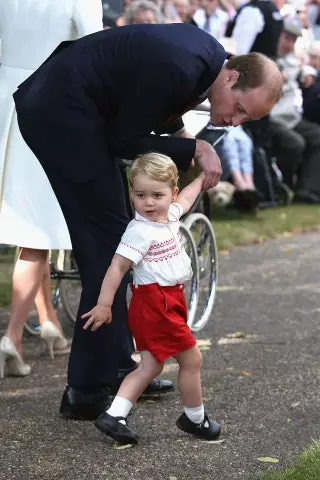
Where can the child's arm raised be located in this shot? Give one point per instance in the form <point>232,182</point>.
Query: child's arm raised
<point>188,194</point>
<point>101,313</point>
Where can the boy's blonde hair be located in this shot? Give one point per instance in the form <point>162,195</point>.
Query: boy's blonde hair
<point>155,166</point>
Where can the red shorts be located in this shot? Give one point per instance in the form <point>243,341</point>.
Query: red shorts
<point>157,319</point>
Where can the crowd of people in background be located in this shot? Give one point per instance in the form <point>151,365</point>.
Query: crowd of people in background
<point>286,31</point>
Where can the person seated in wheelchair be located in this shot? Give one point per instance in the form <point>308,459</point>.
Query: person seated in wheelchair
<point>157,314</point>
<point>237,157</point>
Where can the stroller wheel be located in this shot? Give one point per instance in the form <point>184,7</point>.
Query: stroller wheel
<point>283,194</point>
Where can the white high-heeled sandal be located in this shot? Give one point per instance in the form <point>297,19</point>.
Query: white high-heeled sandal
<point>10,358</point>
<point>54,338</point>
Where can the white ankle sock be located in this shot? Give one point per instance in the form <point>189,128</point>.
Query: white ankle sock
<point>196,414</point>
<point>120,407</point>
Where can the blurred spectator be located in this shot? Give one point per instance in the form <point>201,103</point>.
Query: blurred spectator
<point>170,13</point>
<point>237,161</point>
<point>211,18</point>
<point>314,55</point>
<point>194,5</point>
<point>296,141</point>
<point>143,11</point>
<point>186,10</point>
<point>311,90</point>
<point>256,28</point>
<point>314,17</point>
<point>237,149</point>
<point>298,13</point>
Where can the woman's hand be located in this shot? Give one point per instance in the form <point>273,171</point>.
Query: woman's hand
<point>99,315</point>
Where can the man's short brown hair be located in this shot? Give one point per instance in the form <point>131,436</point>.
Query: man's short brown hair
<point>253,73</point>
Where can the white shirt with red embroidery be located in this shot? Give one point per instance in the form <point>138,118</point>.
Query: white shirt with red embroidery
<point>156,250</point>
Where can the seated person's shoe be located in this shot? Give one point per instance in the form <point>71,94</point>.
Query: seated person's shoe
<point>113,427</point>
<point>206,430</point>
<point>305,196</point>
<point>246,200</point>
<point>157,386</point>
<point>77,405</point>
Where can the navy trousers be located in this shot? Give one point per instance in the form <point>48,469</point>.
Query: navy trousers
<point>96,214</point>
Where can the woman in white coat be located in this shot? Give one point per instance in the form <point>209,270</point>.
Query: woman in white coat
<point>30,216</point>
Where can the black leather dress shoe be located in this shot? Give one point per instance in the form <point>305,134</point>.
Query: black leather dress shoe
<point>113,427</point>
<point>76,405</point>
<point>206,430</point>
<point>157,386</point>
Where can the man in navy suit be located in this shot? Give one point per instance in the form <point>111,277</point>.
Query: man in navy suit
<point>97,99</point>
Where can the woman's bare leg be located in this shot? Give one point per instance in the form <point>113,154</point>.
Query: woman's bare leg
<point>43,300</point>
<point>27,276</point>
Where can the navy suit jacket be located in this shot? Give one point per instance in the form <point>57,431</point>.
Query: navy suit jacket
<point>114,88</point>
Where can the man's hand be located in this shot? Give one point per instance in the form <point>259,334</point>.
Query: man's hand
<point>209,163</point>
<point>99,315</point>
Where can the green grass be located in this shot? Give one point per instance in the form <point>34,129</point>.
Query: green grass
<point>233,228</point>
<point>306,468</point>
<point>6,269</point>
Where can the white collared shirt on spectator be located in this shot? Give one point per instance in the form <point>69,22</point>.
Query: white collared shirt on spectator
<point>216,24</point>
<point>249,24</point>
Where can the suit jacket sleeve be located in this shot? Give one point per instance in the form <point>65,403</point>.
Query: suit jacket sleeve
<point>150,99</point>
<point>171,127</point>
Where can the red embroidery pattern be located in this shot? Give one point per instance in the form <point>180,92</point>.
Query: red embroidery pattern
<point>155,259</point>
<point>160,252</point>
<point>133,248</point>
<point>160,255</point>
<point>162,244</point>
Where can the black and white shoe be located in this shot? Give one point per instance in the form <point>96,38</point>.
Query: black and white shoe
<point>115,428</point>
<point>206,430</point>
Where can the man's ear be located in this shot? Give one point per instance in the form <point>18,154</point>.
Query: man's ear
<point>175,192</point>
<point>231,77</point>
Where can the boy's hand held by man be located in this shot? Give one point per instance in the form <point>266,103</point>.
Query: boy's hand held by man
<point>99,315</point>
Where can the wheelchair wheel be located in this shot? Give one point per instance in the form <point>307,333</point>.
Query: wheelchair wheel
<point>191,287</point>
<point>283,194</point>
<point>204,238</point>
<point>70,287</point>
